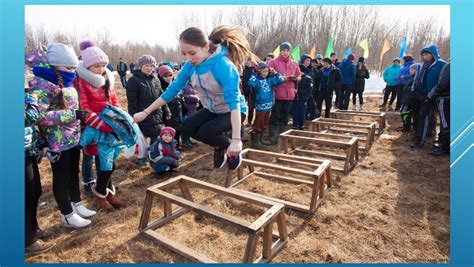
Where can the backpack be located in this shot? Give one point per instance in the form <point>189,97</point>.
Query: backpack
<point>121,123</point>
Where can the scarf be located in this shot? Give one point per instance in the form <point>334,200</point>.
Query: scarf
<point>49,75</point>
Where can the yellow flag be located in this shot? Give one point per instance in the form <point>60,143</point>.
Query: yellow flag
<point>385,48</point>
<point>365,45</point>
<point>276,52</point>
<point>312,54</point>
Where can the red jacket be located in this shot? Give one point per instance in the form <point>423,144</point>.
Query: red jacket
<point>286,67</point>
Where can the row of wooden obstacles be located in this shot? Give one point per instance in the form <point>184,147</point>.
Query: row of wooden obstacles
<point>338,133</point>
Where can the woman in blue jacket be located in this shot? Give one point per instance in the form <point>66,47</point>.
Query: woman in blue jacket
<point>213,66</point>
<point>390,76</point>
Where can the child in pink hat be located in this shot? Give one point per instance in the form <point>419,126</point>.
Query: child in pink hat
<point>164,152</point>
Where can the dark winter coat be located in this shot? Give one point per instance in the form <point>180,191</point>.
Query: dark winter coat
<point>142,90</point>
<point>405,97</point>
<point>332,81</point>
<point>348,72</point>
<point>404,74</point>
<point>246,74</point>
<point>425,81</point>
<point>177,109</point>
<point>362,73</point>
<point>443,88</point>
<point>305,87</point>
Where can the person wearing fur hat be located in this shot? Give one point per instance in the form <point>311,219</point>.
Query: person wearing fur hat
<point>144,88</point>
<point>58,122</point>
<point>285,92</point>
<point>262,83</point>
<point>362,73</point>
<point>95,82</point>
<point>348,71</point>
<point>164,152</point>
<point>176,106</point>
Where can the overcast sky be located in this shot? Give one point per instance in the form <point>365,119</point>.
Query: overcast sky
<point>158,24</point>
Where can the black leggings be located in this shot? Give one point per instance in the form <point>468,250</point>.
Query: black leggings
<point>32,195</point>
<point>209,128</point>
<point>66,180</point>
<point>104,180</point>
<point>390,89</point>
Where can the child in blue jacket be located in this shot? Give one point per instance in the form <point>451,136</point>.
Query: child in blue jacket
<point>164,152</point>
<point>262,84</point>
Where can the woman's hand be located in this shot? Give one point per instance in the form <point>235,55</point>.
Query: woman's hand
<point>140,116</point>
<point>234,148</point>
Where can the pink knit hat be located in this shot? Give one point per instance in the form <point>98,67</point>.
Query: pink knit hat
<point>91,54</point>
<point>168,130</point>
<point>163,69</point>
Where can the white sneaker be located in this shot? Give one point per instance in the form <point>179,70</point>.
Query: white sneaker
<point>354,108</point>
<point>361,108</point>
<point>81,210</point>
<point>74,221</point>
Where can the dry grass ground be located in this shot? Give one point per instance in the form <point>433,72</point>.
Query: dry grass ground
<point>393,207</point>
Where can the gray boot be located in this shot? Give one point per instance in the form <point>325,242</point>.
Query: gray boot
<point>255,140</point>
<point>273,134</point>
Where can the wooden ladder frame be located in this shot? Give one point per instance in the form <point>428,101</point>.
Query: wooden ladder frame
<point>349,145</point>
<point>354,128</point>
<point>262,226</point>
<point>319,179</point>
<point>379,117</point>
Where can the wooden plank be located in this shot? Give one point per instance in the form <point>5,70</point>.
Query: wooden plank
<point>286,179</point>
<point>282,229</point>
<point>328,154</point>
<point>267,217</point>
<point>178,248</point>
<point>319,141</point>
<point>288,204</point>
<point>359,113</point>
<point>352,131</point>
<point>237,222</point>
<point>250,248</point>
<point>322,168</point>
<point>163,220</point>
<point>145,217</point>
<point>241,180</point>
<point>317,134</point>
<point>166,203</point>
<point>230,192</point>
<point>277,246</point>
<point>342,124</point>
<point>267,241</point>
<point>168,183</point>
<point>344,121</point>
<point>314,195</point>
<point>276,167</point>
<point>185,190</point>
<point>286,156</point>
<point>307,164</point>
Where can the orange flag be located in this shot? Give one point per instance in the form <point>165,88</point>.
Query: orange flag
<point>385,48</point>
<point>312,54</point>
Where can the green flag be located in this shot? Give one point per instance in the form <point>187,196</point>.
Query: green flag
<point>295,53</point>
<point>276,52</point>
<point>329,50</point>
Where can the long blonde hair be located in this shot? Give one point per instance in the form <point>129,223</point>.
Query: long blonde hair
<point>231,37</point>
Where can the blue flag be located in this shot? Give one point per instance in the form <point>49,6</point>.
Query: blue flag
<point>403,48</point>
<point>347,52</point>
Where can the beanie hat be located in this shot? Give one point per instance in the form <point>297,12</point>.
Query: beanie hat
<point>91,54</point>
<point>351,57</point>
<point>414,66</point>
<point>167,130</point>
<point>396,59</point>
<point>146,59</point>
<point>327,60</point>
<point>285,45</point>
<point>61,55</point>
<point>361,59</point>
<point>319,56</point>
<point>262,65</point>
<point>163,69</point>
<point>304,57</point>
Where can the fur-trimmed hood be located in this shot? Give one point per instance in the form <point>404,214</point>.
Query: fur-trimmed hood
<point>95,80</point>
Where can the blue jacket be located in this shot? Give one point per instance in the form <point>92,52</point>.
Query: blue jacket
<point>216,81</point>
<point>107,145</point>
<point>404,74</point>
<point>390,75</point>
<point>432,74</point>
<point>263,90</point>
<point>348,71</point>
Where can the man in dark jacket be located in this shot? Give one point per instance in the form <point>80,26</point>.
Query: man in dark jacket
<point>330,82</point>
<point>348,72</point>
<point>427,77</point>
<point>441,94</point>
<point>122,71</point>
<point>305,88</point>
<point>142,90</point>
<point>315,98</point>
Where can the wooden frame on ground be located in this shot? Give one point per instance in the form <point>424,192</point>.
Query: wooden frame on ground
<point>364,131</point>
<point>379,117</point>
<point>262,226</point>
<point>348,144</point>
<point>319,179</point>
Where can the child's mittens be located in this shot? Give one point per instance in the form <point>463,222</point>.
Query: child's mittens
<point>95,122</point>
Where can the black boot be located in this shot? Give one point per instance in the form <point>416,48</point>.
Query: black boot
<point>273,134</point>
<point>263,141</point>
<point>255,140</point>
<point>186,142</point>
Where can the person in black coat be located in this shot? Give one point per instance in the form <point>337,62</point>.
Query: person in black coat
<point>317,74</point>
<point>305,89</point>
<point>142,89</point>
<point>330,83</point>
<point>249,68</point>
<point>362,73</point>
